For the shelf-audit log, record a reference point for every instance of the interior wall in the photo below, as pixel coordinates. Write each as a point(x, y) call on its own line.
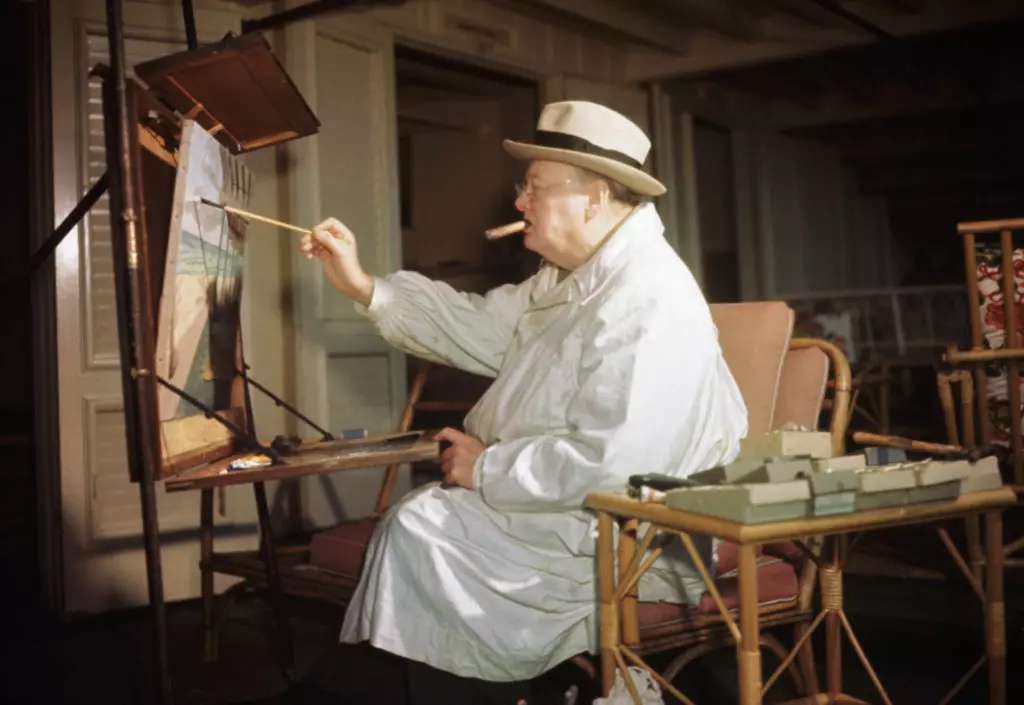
point(461, 183)
point(801, 225)
point(451, 168)
point(716, 212)
point(815, 231)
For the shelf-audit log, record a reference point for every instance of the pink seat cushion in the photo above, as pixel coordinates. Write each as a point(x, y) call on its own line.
point(776, 582)
point(728, 557)
point(341, 549)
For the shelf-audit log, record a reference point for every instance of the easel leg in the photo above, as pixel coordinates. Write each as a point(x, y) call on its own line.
point(154, 577)
point(284, 637)
point(995, 607)
point(206, 573)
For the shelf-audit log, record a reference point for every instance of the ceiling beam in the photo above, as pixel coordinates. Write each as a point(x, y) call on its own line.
point(886, 149)
point(894, 181)
point(808, 13)
point(782, 40)
point(721, 16)
point(643, 27)
point(906, 7)
point(707, 55)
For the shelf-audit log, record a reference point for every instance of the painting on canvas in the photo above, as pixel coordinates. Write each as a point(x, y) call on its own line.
point(197, 348)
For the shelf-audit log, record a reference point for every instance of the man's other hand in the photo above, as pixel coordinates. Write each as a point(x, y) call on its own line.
point(459, 459)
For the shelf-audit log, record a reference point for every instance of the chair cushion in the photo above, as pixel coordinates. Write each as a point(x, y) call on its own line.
point(727, 556)
point(754, 338)
point(341, 549)
point(776, 582)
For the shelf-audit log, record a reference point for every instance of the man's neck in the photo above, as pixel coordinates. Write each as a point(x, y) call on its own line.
point(598, 232)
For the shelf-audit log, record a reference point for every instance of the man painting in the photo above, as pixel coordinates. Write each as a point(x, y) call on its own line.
point(606, 363)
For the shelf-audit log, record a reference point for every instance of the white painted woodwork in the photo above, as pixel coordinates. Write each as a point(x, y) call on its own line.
point(103, 560)
point(348, 377)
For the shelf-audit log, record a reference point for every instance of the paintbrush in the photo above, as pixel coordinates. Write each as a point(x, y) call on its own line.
point(263, 219)
point(503, 230)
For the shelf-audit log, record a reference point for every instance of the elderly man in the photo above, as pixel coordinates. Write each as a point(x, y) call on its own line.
point(606, 363)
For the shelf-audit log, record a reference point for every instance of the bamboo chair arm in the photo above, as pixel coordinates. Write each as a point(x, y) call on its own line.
point(841, 386)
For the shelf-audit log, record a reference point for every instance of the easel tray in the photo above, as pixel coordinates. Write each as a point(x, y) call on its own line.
point(315, 458)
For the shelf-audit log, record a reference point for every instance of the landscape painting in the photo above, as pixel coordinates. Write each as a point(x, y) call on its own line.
point(197, 347)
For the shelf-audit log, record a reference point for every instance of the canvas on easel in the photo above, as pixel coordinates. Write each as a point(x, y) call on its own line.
point(198, 335)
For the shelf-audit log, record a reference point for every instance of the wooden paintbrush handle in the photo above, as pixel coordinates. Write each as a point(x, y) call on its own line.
point(264, 219)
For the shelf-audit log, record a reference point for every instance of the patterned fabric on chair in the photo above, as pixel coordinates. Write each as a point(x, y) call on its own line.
point(993, 329)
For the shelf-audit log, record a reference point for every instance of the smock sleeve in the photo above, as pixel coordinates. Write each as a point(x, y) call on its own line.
point(433, 321)
point(644, 385)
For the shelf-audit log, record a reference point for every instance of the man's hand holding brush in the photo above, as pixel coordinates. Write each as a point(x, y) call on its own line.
point(334, 245)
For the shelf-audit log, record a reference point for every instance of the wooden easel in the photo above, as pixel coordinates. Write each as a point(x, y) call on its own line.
point(130, 111)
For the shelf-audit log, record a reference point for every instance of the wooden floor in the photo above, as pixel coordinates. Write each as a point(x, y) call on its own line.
point(920, 634)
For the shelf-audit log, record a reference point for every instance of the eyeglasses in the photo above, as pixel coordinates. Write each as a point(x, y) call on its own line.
point(529, 190)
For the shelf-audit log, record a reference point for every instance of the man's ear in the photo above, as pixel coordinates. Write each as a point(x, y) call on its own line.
point(599, 195)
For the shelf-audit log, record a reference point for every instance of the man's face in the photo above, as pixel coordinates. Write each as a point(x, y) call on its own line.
point(554, 205)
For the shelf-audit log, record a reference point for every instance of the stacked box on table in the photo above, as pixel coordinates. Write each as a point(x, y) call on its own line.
point(746, 503)
point(786, 443)
point(981, 476)
point(939, 480)
point(884, 486)
point(834, 484)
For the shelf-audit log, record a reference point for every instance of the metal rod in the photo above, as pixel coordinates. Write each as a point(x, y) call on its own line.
point(310, 9)
point(68, 224)
point(327, 435)
point(190, 23)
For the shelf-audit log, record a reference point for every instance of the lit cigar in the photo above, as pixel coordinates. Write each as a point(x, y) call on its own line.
point(503, 230)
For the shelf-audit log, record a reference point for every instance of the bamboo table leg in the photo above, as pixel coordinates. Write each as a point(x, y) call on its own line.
point(748, 650)
point(832, 604)
point(995, 622)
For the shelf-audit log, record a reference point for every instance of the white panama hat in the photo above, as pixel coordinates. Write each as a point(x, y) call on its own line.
point(592, 137)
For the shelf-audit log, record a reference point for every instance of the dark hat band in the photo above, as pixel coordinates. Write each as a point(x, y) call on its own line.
point(561, 140)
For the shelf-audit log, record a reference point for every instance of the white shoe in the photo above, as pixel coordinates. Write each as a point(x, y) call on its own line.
point(646, 687)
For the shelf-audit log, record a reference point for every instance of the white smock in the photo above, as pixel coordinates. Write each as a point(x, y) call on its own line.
point(612, 370)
